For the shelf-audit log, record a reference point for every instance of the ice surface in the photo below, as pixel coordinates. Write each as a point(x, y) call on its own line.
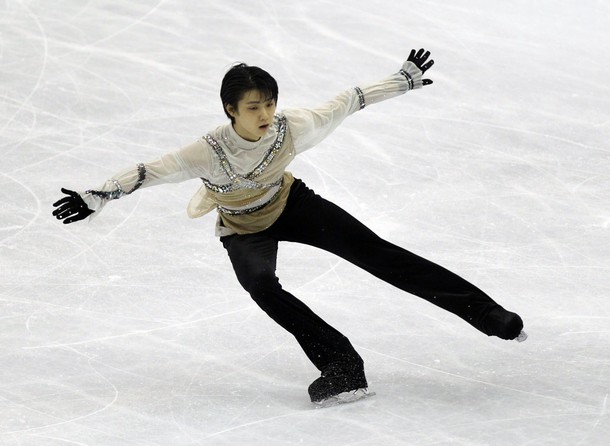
point(132, 330)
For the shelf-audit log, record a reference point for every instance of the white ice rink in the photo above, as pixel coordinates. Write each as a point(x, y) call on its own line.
point(131, 329)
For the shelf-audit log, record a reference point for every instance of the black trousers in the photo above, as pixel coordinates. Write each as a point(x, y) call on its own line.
point(310, 219)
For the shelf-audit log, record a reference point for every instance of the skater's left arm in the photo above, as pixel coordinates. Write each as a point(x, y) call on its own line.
point(310, 126)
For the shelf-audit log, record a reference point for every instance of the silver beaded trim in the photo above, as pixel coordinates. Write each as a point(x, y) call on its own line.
point(119, 192)
point(360, 97)
point(246, 181)
point(238, 183)
point(228, 211)
point(141, 178)
point(409, 79)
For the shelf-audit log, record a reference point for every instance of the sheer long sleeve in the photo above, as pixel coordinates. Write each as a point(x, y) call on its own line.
point(311, 126)
point(189, 162)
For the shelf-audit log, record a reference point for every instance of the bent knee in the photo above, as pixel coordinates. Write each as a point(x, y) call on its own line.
point(259, 283)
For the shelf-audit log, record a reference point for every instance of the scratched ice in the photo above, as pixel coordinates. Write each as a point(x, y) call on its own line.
point(132, 330)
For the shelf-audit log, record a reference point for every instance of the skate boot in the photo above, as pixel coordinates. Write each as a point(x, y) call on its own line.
point(340, 383)
point(504, 324)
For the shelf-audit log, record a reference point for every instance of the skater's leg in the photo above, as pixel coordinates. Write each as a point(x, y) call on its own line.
point(318, 222)
point(254, 260)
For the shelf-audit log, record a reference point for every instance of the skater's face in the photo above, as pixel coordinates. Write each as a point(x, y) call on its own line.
point(253, 115)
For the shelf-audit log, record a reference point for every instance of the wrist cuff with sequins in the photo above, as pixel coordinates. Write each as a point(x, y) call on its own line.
point(360, 97)
point(119, 192)
point(409, 79)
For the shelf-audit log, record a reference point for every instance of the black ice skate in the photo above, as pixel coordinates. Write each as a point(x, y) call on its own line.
point(504, 324)
point(340, 383)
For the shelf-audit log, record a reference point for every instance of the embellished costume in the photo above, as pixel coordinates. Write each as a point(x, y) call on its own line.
point(260, 204)
point(247, 182)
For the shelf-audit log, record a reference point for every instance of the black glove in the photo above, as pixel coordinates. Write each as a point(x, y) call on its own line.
point(419, 59)
point(71, 208)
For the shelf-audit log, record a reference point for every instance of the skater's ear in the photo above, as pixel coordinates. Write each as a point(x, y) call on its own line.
point(230, 111)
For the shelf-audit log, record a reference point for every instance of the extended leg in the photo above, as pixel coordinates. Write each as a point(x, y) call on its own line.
point(313, 220)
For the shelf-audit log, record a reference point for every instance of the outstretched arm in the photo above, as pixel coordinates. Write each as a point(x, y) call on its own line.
point(192, 161)
point(77, 206)
point(310, 126)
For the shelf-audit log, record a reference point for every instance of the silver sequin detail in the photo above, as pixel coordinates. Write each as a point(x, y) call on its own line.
point(246, 181)
point(228, 211)
point(360, 97)
point(141, 178)
point(119, 192)
point(409, 78)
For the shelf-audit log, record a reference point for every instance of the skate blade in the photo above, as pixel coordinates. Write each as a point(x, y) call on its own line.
point(522, 336)
point(344, 398)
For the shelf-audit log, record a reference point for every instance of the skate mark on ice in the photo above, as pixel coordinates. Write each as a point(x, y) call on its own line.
point(82, 417)
point(43, 67)
point(36, 213)
point(465, 378)
point(257, 422)
point(138, 332)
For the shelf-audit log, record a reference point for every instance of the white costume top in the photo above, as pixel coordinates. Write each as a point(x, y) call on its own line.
point(246, 181)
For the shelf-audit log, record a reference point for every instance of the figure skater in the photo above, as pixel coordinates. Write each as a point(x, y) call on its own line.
point(243, 168)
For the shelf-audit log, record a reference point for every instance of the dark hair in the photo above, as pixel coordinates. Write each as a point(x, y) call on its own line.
point(242, 78)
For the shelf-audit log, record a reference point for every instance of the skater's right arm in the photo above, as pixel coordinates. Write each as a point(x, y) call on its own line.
point(191, 161)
